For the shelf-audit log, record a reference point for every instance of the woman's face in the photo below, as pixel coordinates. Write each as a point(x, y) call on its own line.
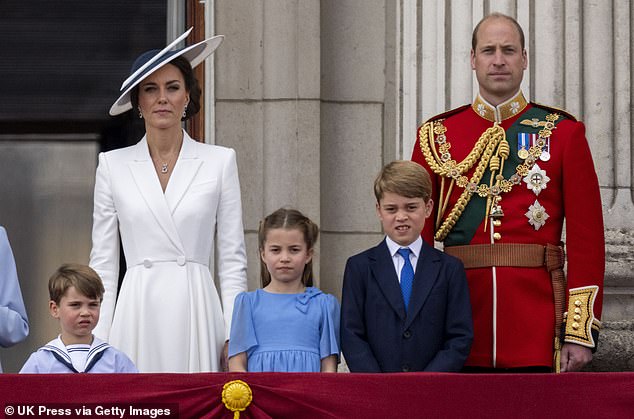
point(163, 97)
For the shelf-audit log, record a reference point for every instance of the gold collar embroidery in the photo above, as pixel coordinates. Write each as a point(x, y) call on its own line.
point(503, 111)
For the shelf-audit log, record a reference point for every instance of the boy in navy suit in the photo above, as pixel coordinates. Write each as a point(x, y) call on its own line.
point(405, 305)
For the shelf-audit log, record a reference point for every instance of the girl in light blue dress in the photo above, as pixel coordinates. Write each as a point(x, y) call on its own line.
point(288, 325)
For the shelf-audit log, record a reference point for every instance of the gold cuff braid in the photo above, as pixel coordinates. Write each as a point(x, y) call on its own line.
point(580, 316)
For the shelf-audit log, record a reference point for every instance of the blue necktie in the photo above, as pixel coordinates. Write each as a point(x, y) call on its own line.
point(407, 276)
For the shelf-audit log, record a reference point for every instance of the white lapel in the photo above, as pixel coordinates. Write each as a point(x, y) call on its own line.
point(185, 171)
point(148, 184)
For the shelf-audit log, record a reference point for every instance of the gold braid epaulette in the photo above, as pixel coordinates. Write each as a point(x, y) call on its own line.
point(482, 152)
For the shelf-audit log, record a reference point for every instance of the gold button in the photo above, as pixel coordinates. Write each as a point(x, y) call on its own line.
point(578, 310)
point(497, 236)
point(577, 317)
point(497, 223)
point(578, 303)
point(575, 325)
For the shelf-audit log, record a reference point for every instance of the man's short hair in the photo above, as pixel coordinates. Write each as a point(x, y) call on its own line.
point(85, 280)
point(474, 37)
point(405, 178)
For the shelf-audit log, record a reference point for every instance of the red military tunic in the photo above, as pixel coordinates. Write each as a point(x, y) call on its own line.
point(513, 307)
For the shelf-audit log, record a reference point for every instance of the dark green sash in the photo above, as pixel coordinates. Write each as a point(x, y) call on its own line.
point(473, 214)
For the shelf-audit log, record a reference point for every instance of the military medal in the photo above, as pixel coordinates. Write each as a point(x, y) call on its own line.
point(544, 144)
point(537, 215)
point(536, 179)
point(545, 156)
point(524, 141)
point(543, 140)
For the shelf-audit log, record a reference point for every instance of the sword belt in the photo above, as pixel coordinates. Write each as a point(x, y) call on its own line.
point(509, 254)
point(525, 256)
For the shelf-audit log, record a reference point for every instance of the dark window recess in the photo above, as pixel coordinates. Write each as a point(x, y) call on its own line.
point(63, 63)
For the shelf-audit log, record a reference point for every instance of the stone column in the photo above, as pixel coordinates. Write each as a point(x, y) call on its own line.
point(353, 54)
point(267, 86)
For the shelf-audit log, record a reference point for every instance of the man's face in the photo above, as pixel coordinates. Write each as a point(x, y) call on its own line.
point(498, 60)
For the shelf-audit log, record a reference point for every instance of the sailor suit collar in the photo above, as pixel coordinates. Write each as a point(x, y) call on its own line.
point(60, 352)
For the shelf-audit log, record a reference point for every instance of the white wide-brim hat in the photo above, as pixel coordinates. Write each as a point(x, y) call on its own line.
point(150, 61)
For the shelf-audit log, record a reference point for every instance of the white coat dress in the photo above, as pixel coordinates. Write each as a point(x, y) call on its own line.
point(168, 315)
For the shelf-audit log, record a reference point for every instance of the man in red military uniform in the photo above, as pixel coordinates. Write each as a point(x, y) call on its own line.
point(506, 175)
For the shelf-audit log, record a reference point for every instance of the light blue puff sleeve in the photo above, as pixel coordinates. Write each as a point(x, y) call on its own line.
point(242, 336)
point(329, 340)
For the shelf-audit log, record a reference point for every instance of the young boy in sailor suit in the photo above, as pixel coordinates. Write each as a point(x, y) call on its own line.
point(76, 292)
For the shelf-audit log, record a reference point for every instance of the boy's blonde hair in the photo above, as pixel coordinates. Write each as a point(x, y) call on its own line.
point(405, 178)
point(85, 280)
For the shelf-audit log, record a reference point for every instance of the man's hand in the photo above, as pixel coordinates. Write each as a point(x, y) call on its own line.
point(574, 357)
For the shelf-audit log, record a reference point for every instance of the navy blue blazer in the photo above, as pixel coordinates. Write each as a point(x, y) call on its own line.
point(376, 333)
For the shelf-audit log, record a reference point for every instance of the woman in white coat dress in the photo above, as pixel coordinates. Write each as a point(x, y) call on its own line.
point(167, 197)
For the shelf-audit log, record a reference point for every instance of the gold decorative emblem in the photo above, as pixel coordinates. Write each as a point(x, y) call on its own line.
point(237, 396)
point(537, 215)
point(536, 179)
point(548, 125)
point(535, 123)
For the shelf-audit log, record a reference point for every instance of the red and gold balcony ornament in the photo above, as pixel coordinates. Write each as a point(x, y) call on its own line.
point(236, 396)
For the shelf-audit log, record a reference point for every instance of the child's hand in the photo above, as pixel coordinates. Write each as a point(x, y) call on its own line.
point(329, 364)
point(238, 362)
point(224, 363)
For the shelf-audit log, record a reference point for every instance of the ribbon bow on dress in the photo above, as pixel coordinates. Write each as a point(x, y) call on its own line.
point(303, 299)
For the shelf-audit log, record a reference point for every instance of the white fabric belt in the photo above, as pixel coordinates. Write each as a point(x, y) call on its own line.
point(179, 260)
